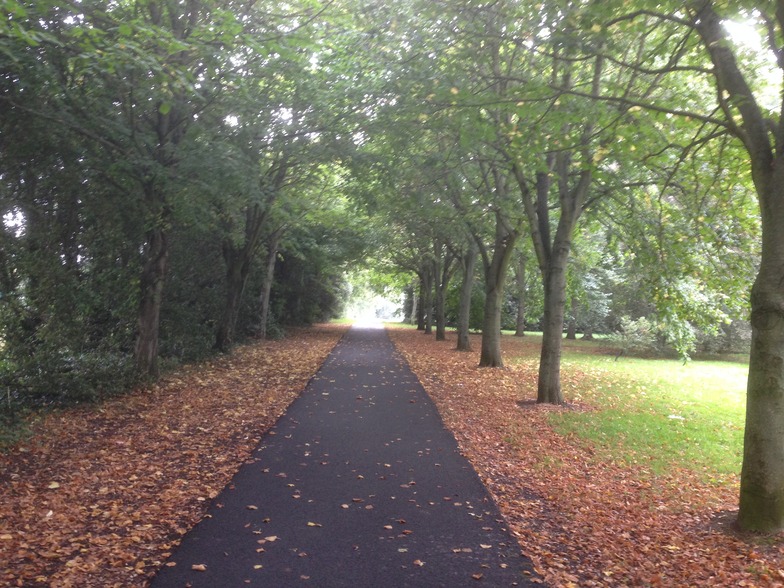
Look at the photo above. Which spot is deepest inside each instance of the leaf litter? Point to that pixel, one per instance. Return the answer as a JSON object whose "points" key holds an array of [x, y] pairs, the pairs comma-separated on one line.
{"points": [[100, 496], [584, 520]]}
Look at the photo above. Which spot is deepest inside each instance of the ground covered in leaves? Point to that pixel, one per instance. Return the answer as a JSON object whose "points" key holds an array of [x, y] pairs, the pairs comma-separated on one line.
{"points": [[585, 521], [99, 496]]}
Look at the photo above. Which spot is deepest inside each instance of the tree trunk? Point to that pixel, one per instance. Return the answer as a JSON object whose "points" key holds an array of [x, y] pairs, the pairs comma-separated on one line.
{"points": [[427, 299], [414, 305], [554, 279], [495, 277], [151, 297], [224, 335], [443, 269], [466, 290], [238, 264], [236, 277], [553, 256], [520, 321], [762, 475], [273, 243], [440, 312], [522, 282], [420, 317], [490, 355]]}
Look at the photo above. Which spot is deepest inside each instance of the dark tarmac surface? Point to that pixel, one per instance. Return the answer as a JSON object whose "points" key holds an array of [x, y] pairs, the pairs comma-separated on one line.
{"points": [[358, 485]]}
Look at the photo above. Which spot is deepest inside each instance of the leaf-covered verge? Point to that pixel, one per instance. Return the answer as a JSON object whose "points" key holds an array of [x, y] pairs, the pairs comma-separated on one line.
{"points": [[585, 520], [100, 496]]}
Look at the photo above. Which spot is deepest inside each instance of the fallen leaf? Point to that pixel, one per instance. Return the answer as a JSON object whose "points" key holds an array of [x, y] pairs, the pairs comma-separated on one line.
{"points": [[199, 568]]}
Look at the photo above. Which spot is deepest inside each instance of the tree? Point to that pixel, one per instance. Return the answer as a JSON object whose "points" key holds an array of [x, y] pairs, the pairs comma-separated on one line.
{"points": [[686, 38], [762, 477], [468, 267]]}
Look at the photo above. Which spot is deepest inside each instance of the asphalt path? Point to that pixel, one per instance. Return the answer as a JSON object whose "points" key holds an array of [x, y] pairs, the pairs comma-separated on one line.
{"points": [[358, 485]]}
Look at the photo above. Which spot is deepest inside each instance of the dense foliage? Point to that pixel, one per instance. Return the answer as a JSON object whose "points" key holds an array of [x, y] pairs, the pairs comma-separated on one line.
{"points": [[161, 164]]}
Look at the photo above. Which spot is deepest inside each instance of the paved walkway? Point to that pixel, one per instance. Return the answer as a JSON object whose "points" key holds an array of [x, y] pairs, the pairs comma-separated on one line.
{"points": [[358, 485]]}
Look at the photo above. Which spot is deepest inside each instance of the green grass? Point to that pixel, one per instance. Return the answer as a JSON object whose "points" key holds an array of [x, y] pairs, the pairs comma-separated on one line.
{"points": [[659, 413]]}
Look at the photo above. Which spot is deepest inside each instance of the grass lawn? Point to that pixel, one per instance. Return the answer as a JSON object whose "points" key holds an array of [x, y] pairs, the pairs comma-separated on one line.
{"points": [[658, 413]]}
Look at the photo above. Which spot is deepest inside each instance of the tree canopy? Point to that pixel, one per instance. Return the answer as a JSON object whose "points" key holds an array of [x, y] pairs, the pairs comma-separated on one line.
{"points": [[176, 177]]}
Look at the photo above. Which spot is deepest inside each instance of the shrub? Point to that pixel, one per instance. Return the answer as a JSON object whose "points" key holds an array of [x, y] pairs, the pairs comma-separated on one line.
{"points": [[635, 336]]}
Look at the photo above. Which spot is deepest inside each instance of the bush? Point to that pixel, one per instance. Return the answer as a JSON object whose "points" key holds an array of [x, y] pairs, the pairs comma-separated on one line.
{"points": [[734, 337], [636, 336], [52, 377]]}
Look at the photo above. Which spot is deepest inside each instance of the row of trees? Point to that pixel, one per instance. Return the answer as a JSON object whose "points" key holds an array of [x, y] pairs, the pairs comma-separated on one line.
{"points": [[649, 127], [169, 185], [158, 156]]}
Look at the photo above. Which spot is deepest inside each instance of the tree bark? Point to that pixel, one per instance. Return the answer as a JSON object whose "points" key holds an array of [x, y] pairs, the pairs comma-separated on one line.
{"points": [[554, 279], [427, 299], [495, 278], [440, 303], [238, 265], [521, 280], [151, 297], [273, 243], [443, 269], [466, 290], [414, 305], [420, 317], [762, 474], [235, 285]]}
